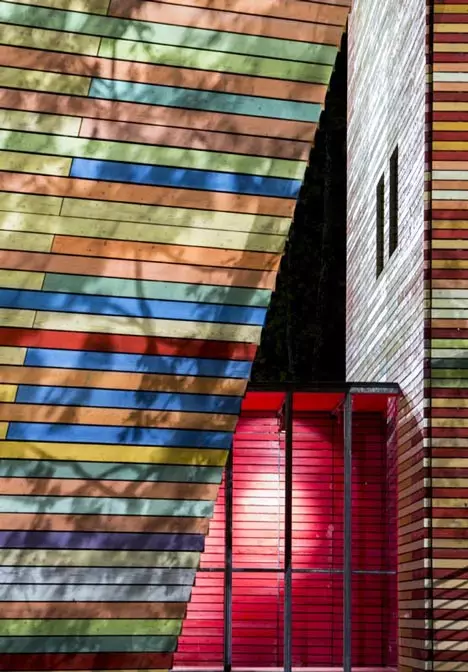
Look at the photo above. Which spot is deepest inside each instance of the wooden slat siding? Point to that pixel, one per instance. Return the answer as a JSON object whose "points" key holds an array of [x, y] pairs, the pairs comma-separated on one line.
{"points": [[386, 318], [150, 159], [317, 543], [447, 300]]}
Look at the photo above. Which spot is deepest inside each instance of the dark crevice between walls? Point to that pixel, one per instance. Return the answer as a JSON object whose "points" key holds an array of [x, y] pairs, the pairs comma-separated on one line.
{"points": [[304, 335]]}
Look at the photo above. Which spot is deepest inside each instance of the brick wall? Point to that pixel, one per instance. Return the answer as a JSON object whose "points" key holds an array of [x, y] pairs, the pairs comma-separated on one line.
{"points": [[385, 316]]}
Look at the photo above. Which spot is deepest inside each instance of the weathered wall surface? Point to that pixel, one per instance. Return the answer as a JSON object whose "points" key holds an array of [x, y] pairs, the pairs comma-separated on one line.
{"points": [[150, 158], [385, 316]]}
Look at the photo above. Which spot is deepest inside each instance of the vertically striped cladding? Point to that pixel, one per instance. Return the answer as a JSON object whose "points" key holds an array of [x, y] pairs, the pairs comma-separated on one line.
{"points": [[447, 328], [151, 154]]}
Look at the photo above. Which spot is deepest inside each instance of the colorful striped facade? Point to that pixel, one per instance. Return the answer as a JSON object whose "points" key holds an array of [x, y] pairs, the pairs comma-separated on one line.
{"points": [[447, 333], [151, 154], [413, 318]]}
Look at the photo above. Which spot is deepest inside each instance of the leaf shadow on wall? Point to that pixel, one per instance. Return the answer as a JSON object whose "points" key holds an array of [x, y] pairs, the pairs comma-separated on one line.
{"points": [[82, 505]]}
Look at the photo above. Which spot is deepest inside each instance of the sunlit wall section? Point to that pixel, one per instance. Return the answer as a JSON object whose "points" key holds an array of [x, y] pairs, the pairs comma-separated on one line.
{"points": [[151, 154]]}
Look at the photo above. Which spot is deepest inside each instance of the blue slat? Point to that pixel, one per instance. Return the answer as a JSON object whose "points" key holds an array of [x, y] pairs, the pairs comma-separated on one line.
{"points": [[83, 396], [126, 307], [116, 361], [131, 436], [185, 178]]}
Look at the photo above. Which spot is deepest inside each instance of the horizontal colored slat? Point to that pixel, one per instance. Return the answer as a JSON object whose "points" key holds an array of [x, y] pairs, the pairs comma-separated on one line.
{"points": [[111, 324], [17, 120], [69, 359], [129, 307], [64, 146], [97, 541], [16, 318], [65, 626], [23, 36], [30, 662], [98, 558], [44, 81], [30, 163], [23, 279], [171, 97], [74, 396], [184, 178], [39, 205], [112, 379], [174, 291], [106, 507], [82, 644], [95, 523], [89, 576], [7, 392], [106, 434], [143, 345], [99, 452], [214, 426], [12, 355], [146, 473], [19, 240], [91, 610], [171, 216], [82, 486]]}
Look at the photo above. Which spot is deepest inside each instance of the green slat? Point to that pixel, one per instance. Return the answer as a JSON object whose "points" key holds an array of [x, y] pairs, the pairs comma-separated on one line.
{"points": [[147, 289], [113, 471], [73, 644], [91, 558], [90, 627], [166, 34], [178, 56], [104, 506], [17, 78], [39, 143], [37, 38]]}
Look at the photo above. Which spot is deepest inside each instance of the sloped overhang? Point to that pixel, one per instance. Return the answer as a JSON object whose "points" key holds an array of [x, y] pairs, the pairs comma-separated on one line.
{"points": [[151, 156]]}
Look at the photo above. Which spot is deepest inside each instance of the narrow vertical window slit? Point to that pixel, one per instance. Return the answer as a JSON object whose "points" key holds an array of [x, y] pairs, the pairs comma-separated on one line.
{"points": [[380, 222], [393, 240]]}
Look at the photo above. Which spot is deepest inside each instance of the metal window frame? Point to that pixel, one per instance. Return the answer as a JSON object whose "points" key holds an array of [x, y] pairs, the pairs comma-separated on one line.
{"points": [[349, 390]]}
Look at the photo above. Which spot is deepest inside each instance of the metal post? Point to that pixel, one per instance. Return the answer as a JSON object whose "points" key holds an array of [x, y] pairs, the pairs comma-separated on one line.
{"points": [[348, 521], [228, 565], [288, 532]]}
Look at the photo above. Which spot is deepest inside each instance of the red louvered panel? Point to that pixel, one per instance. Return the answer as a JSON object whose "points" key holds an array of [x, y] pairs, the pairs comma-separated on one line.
{"points": [[317, 544], [258, 482]]}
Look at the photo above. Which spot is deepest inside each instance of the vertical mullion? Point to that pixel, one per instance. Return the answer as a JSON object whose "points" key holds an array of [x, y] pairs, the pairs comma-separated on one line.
{"points": [[228, 563], [348, 499], [288, 533]]}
